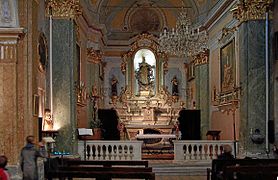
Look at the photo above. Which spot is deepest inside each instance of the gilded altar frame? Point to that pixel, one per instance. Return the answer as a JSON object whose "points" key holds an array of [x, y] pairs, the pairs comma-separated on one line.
{"points": [[144, 41]]}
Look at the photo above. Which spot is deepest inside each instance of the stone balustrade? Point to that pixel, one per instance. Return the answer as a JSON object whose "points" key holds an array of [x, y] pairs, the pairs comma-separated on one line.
{"points": [[110, 150], [199, 150], [194, 150]]}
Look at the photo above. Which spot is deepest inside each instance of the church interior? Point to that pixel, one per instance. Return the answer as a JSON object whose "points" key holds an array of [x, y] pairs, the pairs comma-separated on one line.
{"points": [[185, 73]]}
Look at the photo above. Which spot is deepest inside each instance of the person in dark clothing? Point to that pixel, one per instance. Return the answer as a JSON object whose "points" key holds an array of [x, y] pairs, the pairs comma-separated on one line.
{"points": [[227, 153], [28, 158]]}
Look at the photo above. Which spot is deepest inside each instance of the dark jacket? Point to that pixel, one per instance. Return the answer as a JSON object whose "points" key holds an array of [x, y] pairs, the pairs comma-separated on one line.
{"points": [[28, 161]]}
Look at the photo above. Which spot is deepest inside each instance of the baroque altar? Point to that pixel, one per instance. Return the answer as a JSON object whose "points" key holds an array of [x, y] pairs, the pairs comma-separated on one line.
{"points": [[146, 102]]}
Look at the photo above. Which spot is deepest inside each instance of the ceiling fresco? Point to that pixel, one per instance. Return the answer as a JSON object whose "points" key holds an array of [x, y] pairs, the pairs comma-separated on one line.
{"points": [[125, 18]]}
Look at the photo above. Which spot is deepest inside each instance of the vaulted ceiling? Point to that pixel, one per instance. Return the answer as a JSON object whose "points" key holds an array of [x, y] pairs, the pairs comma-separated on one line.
{"points": [[122, 19]]}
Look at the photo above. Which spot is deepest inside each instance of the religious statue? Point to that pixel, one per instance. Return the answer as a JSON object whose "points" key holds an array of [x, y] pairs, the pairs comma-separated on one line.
{"points": [[47, 121], [228, 77], [144, 74], [114, 82], [123, 131], [175, 88]]}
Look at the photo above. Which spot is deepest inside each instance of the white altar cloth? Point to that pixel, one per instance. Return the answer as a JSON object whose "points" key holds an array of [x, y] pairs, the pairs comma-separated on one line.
{"points": [[154, 136]]}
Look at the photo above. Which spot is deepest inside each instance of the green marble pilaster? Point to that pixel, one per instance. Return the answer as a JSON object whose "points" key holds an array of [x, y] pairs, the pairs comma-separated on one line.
{"points": [[252, 79], [202, 96], [64, 77]]}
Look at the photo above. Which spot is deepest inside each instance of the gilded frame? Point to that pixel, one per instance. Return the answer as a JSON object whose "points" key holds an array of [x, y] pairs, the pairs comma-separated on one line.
{"points": [[228, 66], [36, 100]]}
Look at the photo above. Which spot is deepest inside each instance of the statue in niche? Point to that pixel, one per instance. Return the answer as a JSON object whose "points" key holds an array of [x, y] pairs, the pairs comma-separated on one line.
{"points": [[175, 86], [47, 121], [145, 75], [114, 82]]}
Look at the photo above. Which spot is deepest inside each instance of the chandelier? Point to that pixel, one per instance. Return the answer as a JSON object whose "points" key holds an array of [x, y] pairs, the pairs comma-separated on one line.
{"points": [[185, 39]]}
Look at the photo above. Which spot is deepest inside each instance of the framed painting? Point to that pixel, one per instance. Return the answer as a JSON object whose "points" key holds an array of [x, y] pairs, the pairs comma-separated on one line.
{"points": [[191, 71], [36, 99], [228, 66]]}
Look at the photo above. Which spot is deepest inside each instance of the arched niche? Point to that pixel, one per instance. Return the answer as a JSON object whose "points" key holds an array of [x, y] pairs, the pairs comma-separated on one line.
{"points": [[150, 84]]}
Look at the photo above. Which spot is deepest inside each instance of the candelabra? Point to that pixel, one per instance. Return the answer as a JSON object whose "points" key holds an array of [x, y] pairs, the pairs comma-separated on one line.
{"points": [[185, 39]]}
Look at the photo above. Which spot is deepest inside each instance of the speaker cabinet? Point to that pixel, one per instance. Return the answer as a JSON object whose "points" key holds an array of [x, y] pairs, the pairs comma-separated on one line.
{"points": [[271, 131], [109, 120], [190, 124]]}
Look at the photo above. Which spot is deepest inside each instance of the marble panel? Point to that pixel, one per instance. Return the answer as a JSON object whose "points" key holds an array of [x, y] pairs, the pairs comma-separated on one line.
{"points": [[8, 115], [252, 78], [64, 101], [202, 96]]}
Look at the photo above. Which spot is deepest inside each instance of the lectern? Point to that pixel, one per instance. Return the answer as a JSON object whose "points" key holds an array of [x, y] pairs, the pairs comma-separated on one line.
{"points": [[213, 135]]}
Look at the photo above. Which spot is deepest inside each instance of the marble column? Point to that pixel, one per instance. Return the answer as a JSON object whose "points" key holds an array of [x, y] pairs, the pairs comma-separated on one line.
{"points": [[64, 78], [202, 95], [252, 79]]}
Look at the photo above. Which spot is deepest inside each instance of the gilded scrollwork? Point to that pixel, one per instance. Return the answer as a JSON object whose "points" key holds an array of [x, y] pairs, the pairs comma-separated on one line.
{"points": [[202, 58], [94, 56], [227, 33], [81, 92], [247, 10], [64, 9]]}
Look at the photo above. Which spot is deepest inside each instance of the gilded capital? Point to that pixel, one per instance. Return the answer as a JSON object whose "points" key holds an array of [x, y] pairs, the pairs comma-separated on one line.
{"points": [[64, 8], [94, 56], [247, 10], [202, 58]]}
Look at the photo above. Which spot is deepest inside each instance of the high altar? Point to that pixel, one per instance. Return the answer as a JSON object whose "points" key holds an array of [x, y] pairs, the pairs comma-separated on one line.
{"points": [[145, 101]]}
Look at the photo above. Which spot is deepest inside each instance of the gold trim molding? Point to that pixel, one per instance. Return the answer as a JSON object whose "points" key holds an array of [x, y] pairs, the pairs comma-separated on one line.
{"points": [[64, 9], [202, 58], [94, 56], [247, 10], [227, 33]]}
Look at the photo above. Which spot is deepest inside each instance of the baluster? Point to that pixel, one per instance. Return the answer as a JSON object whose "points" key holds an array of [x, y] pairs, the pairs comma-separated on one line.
{"points": [[115, 151], [184, 147], [131, 155], [110, 152], [120, 152], [200, 153]]}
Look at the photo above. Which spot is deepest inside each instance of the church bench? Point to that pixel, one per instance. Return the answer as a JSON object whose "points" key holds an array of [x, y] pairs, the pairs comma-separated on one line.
{"points": [[219, 165], [105, 163], [94, 168], [254, 172], [101, 170], [101, 175]]}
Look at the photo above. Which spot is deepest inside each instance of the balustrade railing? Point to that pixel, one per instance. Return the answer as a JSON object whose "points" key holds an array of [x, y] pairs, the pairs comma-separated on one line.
{"points": [[200, 150], [193, 150], [110, 150]]}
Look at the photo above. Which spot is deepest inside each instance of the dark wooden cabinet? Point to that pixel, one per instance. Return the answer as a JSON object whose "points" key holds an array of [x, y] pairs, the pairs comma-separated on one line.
{"points": [[189, 124]]}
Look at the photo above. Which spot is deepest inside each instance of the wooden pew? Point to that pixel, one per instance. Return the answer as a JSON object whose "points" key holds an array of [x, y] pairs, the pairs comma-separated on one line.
{"points": [[218, 166], [102, 170], [102, 175], [254, 172], [106, 163]]}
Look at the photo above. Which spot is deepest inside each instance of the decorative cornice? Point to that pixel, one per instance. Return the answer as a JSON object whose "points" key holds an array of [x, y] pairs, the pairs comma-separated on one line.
{"points": [[64, 9], [251, 9], [9, 34], [226, 33], [94, 56], [202, 58]]}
